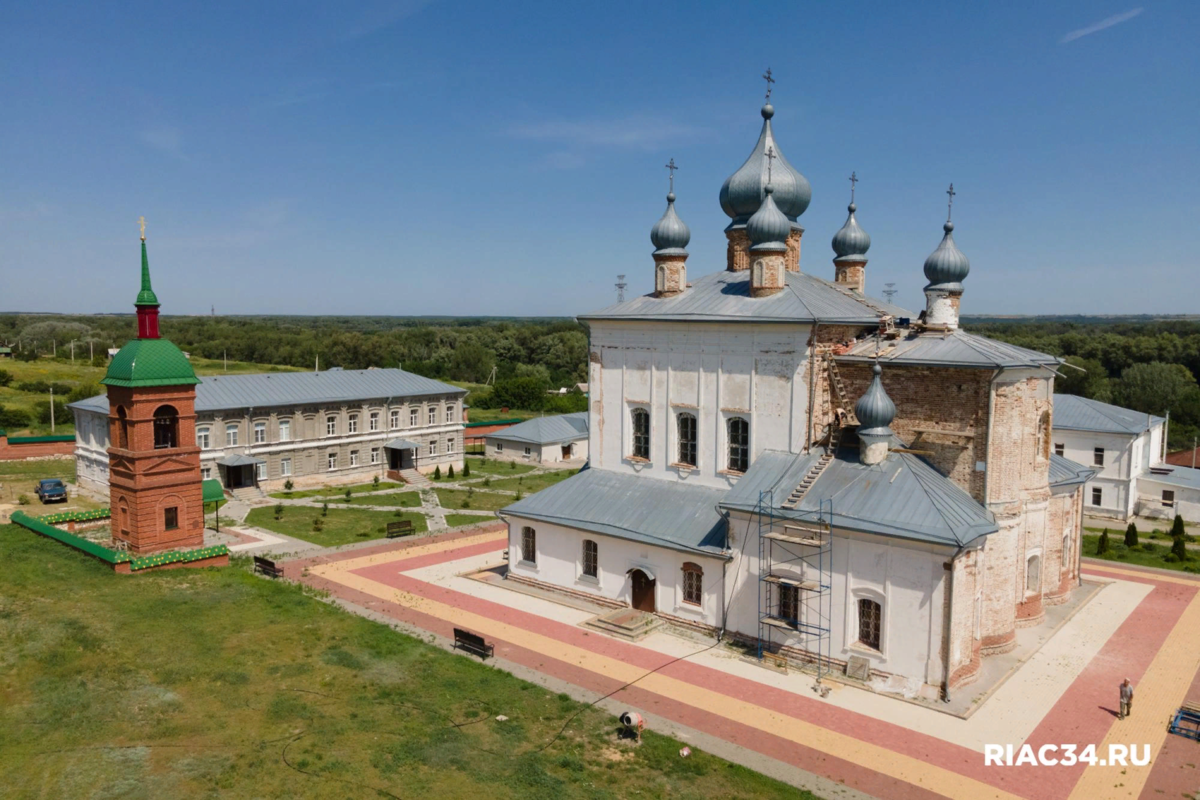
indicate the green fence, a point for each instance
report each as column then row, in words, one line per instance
column 38, row 439
column 78, row 542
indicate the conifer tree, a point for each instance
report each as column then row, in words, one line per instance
column 466, row 468
column 1131, row 536
column 450, row 472
column 437, row 473
column 1177, row 527
column 1102, row 545
column 1179, row 547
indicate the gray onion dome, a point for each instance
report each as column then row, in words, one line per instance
column 851, row 242
column 742, row 193
column 670, row 235
column 947, row 266
column 875, row 410
column 768, row 229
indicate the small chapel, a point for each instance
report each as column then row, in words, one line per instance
column 780, row 458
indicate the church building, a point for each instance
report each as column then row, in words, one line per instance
column 820, row 474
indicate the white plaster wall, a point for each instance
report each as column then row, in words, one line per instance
column 91, row 448
column 710, row 370
column 1187, row 500
column 560, row 562
column 1121, row 455
column 538, row 454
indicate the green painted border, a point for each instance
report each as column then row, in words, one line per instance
column 39, row 525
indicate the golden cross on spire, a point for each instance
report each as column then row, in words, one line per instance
column 770, row 160
column 142, row 225
column 767, row 77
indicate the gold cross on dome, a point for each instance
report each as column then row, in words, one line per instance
column 142, row 225
column 770, row 160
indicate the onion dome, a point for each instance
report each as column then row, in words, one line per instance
column 947, row 266
column 743, row 191
column 768, row 229
column 875, row 410
column 670, row 235
column 149, row 362
column 851, row 242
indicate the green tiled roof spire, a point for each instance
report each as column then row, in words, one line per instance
column 146, row 296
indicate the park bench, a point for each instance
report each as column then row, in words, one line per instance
column 267, row 567
column 402, row 528
column 472, row 643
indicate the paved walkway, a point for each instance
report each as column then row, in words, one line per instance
column 1142, row 625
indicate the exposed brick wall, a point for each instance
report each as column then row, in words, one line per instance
column 20, row 451
column 964, row 646
column 852, row 276
column 737, row 251
column 1019, row 467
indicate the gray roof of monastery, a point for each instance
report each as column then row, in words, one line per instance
column 956, row 348
column 1172, row 475
column 220, row 392
column 1064, row 472
column 657, row 512
column 725, row 297
column 902, row 497
column 1072, row 413
column 546, row 430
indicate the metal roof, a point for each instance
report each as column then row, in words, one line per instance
column 546, row 430
column 1072, row 413
column 1065, row 473
column 1177, row 476
column 223, row 392
column 657, row 512
column 956, row 348
column 902, row 496
column 149, row 362
column 725, row 297
column 401, row 444
column 239, row 460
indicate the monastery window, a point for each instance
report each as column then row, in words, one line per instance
column 1043, row 451
column 166, row 427
column 499, row 447
column 432, row 415
column 394, row 418
column 641, row 433
column 171, row 518
column 687, row 439
column 1098, row 457
column 260, row 432
column 1097, row 496
column 1168, row 498
column 693, row 583
column 529, row 545
column 354, row 458
column 122, row 428
column 204, row 438
column 591, row 558
column 285, row 467
column 285, row 430
column 205, row 473
column 789, row 603
column 739, row 444
column 330, row 426
column 374, row 455
column 260, row 471
column 231, row 434
column 412, row 417
column 449, row 445
column 1066, row 551
column 373, row 424
column 449, row 412
column 433, row 447
column 1033, row 575
column 528, row 450
column 870, row 623
column 331, row 461
column 1059, row 449
column 352, row 424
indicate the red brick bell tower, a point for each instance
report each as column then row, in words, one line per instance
column 154, row 463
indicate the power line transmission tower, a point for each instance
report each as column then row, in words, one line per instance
column 889, row 291
column 621, row 286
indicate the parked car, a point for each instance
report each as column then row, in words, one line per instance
column 51, row 490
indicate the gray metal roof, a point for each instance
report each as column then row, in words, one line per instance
column 725, row 297
column 1072, row 413
column 657, row 512
column 1065, row 473
column 239, row 460
column 546, row 430
column 98, row 404
column 1185, row 477
column 956, row 348
column 902, row 496
column 222, row 392
column 401, row 444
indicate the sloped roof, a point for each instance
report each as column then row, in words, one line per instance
column 902, row 496
column 956, row 348
column 1073, row 413
column 149, row 362
column 222, row 392
column 547, row 430
column 1172, row 475
column 725, row 297
column 1065, row 473
column 657, row 512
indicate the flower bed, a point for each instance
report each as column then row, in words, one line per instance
column 75, row 516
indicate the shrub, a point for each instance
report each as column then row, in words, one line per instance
column 1102, row 544
column 1171, row 558
column 324, row 509
column 13, row 418
column 349, row 494
column 519, row 495
column 487, row 481
column 318, row 524
column 27, row 355
column 466, row 503
column 1177, row 527
column 375, row 482
column 1131, row 536
column 279, row 511
column 512, row 465
column 1179, row 545
column 466, row 468
column 5, row 377
column 450, row 473
column 23, row 500
column 288, row 485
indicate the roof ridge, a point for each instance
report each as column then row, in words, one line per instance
column 937, row 502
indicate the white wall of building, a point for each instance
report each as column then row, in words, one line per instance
column 507, row 450
column 91, row 449
column 1151, row 504
column 1126, row 458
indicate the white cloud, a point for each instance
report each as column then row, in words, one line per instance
column 1096, row 27
column 167, row 139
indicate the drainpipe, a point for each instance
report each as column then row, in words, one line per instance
column 724, row 577
column 946, row 623
column 812, row 374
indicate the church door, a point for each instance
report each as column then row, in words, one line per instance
column 643, row 591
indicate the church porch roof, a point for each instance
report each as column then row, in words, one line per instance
column 956, row 348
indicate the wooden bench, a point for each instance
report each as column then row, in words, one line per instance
column 472, row 643
column 267, row 567
column 397, row 529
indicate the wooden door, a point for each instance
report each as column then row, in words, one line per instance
column 643, row 591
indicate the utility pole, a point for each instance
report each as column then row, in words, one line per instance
column 1195, row 444
column 91, row 352
column 73, row 341
column 225, row 359
column 51, row 410
column 54, row 345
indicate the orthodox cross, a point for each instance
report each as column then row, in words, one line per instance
column 767, row 77
column 853, row 180
column 142, row 225
column 770, row 160
column 671, row 168
column 950, row 205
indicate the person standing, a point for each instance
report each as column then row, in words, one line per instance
column 1126, row 699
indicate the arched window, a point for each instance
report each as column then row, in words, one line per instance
column 1066, row 552
column 231, row 434
column 693, row 583
column 122, row 428
column 641, row 433
column 591, row 558
column 1033, row 575
column 166, row 427
column 529, row 545
column 204, row 437
column 1043, row 442
column 739, row 444
column 687, row 439
column 870, row 623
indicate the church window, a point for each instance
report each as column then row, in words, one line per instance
column 354, row 458
column 641, row 433
column 1168, row 498
column 285, row 430
column 373, row 424
column 394, row 418
column 739, row 445
column 1066, row 551
column 687, row 439
column 1098, row 457
column 205, row 473
column 204, row 438
column 231, row 434
column 171, row 518
column 122, row 428
column 693, row 583
column 591, row 558
column 331, row 460
column 330, row 426
column 449, row 445
column 412, row 417
column 260, row 471
column 432, row 415
column 433, row 447
column 529, row 545
column 789, row 603
column 285, row 467
column 374, row 455
column 1033, row 575
column 260, row 432
column 352, row 424
column 1097, row 496
column 1059, row 449
column 870, row 622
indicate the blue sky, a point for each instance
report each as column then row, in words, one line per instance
column 492, row 158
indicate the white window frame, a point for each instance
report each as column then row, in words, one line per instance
column 204, row 438
column 285, row 467
column 1032, row 590
column 331, row 426
column 352, row 423
column 331, row 461
column 433, row 415
column 852, row 622
column 285, row 430
column 260, row 432
column 449, row 446
column 374, row 455
column 354, row 458
column 205, row 473
column 499, row 447
column 1097, row 497
column 394, row 419
column 231, row 434
column 413, row 417
column 433, row 447
column 1060, row 449
column 1097, row 456
column 449, row 412
column 528, row 450
column 260, row 471
column 373, row 421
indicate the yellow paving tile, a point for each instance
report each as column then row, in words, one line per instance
column 1136, row 573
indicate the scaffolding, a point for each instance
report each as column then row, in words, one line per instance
column 797, row 603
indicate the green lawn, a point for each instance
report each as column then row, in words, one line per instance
column 1146, row 554
column 335, row 491
column 341, row 526
column 480, row 500
column 217, row 683
column 454, row 520
column 492, row 466
column 532, row 483
column 401, row 499
column 493, row 414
